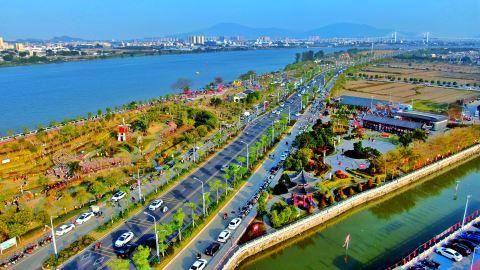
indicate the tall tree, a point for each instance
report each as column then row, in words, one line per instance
column 178, row 220
column 140, row 258
column 193, row 207
column 216, row 185
column 118, row 264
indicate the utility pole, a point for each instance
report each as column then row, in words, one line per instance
column 139, row 183
column 53, row 238
column 203, row 194
column 465, row 213
column 156, row 232
column 248, row 154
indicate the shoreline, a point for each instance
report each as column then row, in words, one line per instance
column 152, row 52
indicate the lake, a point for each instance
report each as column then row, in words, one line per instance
column 40, row 94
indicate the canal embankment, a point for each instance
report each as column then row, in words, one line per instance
column 240, row 253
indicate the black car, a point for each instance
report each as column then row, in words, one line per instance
column 212, row 249
column 463, row 250
column 127, row 250
column 431, row 264
column 465, row 242
column 274, row 169
column 477, row 225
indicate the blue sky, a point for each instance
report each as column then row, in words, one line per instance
column 122, row 19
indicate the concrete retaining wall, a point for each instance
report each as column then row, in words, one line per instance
column 256, row 246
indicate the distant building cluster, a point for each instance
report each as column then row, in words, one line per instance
column 69, row 49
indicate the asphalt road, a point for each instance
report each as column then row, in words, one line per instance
column 187, row 190
column 187, row 256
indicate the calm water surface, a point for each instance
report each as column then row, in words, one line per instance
column 381, row 232
column 30, row 95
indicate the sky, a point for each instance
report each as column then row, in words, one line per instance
column 128, row 19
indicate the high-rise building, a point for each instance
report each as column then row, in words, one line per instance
column 198, row 40
column 19, row 47
column 2, row 45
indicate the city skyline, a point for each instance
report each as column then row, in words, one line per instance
column 105, row 21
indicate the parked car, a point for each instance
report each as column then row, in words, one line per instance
column 118, row 196
column 465, row 242
column 223, row 236
column 449, row 253
column 84, row 217
column 124, row 238
column 164, row 209
column 471, row 236
column 431, row 264
column 234, row 223
column 212, row 249
column 155, row 205
column 65, row 228
column 198, row 264
column 463, row 250
column 283, row 157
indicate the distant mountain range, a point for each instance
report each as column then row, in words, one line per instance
column 53, row 40
column 339, row 30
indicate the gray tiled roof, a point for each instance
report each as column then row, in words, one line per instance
column 392, row 121
column 423, row 116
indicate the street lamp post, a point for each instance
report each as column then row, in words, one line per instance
column 53, row 238
column 156, row 233
column 473, row 257
column 139, row 182
column 465, row 213
column 203, row 194
column 248, row 154
column 288, row 114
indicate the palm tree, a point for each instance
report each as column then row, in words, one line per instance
column 241, row 160
column 216, row 185
column 193, row 206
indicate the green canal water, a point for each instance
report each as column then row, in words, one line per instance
column 382, row 231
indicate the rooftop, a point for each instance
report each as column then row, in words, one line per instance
column 359, row 101
column 423, row 116
column 392, row 121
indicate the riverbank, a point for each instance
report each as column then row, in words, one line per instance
column 298, row 228
column 74, row 89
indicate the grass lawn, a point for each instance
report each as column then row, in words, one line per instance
column 429, row 106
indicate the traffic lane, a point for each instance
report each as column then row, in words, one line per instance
column 135, row 224
column 99, row 257
column 234, row 148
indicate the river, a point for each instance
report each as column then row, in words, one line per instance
column 40, row 94
column 381, row 232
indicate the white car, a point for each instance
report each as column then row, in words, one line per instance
column 155, row 205
column 63, row 229
column 234, row 223
column 123, row 239
column 118, row 196
column 84, row 217
column 449, row 253
column 198, row 264
column 223, row 236
column 283, row 157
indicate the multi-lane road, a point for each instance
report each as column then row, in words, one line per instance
column 209, row 234
column 189, row 189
